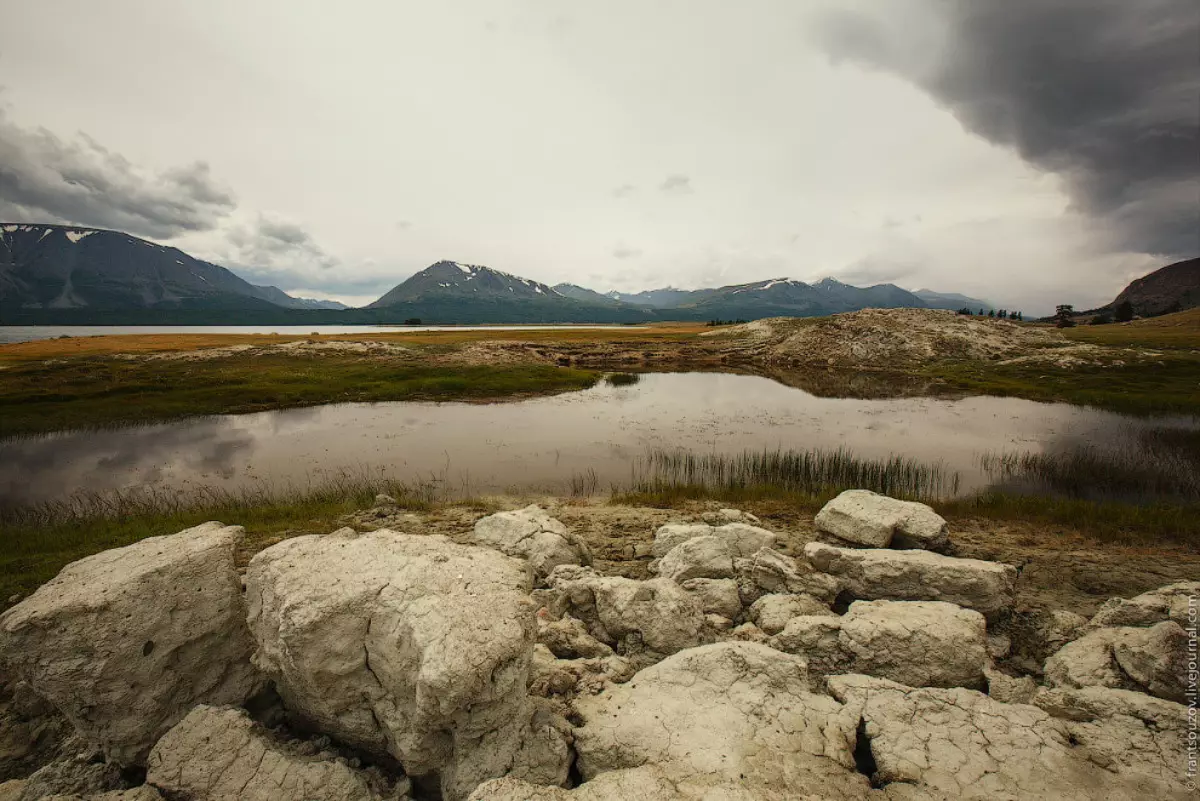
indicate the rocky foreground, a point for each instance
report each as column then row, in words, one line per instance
column 389, row 665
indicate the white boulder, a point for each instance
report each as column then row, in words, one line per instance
column 968, row 746
column 735, row 714
column 535, row 536
column 882, row 574
column 1151, row 659
column 218, row 754
column 866, row 519
column 742, row 538
column 917, row 643
column 699, row 557
column 127, row 641
column 715, row 596
column 772, row 612
column 658, row 614
column 767, row 572
column 1156, row 606
column 412, row 646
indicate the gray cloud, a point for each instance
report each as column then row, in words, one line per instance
column 624, row 190
column 677, row 184
column 273, row 244
column 44, row 178
column 1105, row 93
column 623, row 252
column 403, row 225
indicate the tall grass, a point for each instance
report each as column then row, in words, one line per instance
column 1159, row 465
column 622, row 379
column 811, row 472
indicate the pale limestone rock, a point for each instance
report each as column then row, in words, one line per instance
column 1155, row 657
column 882, row 574
column 407, row 645
column 220, row 754
column 127, row 641
column 864, row 518
column 969, row 746
column 1165, row 603
column 721, row 714
column 699, row 557
column 743, row 539
column 568, row 638
column 657, row 614
column 918, row 643
column 715, row 596
column 770, row 572
column 772, row 612
column 533, row 535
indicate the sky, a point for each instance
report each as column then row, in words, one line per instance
column 1030, row 152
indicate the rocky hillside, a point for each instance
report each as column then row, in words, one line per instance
column 68, row 267
column 503, row 665
column 1173, row 288
column 890, row 339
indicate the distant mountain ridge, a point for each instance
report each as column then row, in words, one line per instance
column 60, row 273
column 75, row 267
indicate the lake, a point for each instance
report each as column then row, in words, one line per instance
column 28, row 333
column 538, row 444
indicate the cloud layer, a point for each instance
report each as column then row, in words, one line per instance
column 1105, row 93
column 44, row 178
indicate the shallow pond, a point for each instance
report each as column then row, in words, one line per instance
column 539, row 444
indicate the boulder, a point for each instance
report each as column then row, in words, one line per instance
column 78, row 776
column 1009, row 689
column 1151, row 659
column 743, row 539
column 968, row 746
column 411, row 646
column 568, row 638
column 658, row 614
column 715, row 596
column 127, row 641
column 769, row 571
column 729, row 714
column 723, row 516
column 699, row 557
column 1155, row 657
column 549, row 676
column 1122, row 730
column 863, row 518
column 772, row 612
column 882, row 574
column 535, row 536
column 1156, row 606
column 215, row 754
column 917, row 643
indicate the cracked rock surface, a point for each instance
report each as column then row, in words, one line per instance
column 535, row 536
column 864, row 518
column 406, row 645
column 883, row 574
column 126, row 642
column 217, row 754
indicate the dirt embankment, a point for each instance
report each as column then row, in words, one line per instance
column 892, row 339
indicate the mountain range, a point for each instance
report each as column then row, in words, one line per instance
column 72, row 274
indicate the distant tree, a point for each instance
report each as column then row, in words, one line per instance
column 981, row 312
column 1020, row 315
column 1064, row 316
column 991, row 312
column 413, row 321
column 964, row 310
column 1124, row 312
column 1100, row 319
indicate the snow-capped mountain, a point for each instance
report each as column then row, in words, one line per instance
column 448, row 279
column 74, row 267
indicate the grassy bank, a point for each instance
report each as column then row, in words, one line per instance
column 92, row 391
column 37, row 541
column 1169, row 384
column 1144, row 498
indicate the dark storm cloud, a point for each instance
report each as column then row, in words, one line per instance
column 44, row 178
column 1105, row 93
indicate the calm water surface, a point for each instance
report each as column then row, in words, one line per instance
column 27, row 333
column 538, row 444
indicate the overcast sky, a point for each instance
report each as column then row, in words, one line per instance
column 1027, row 151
